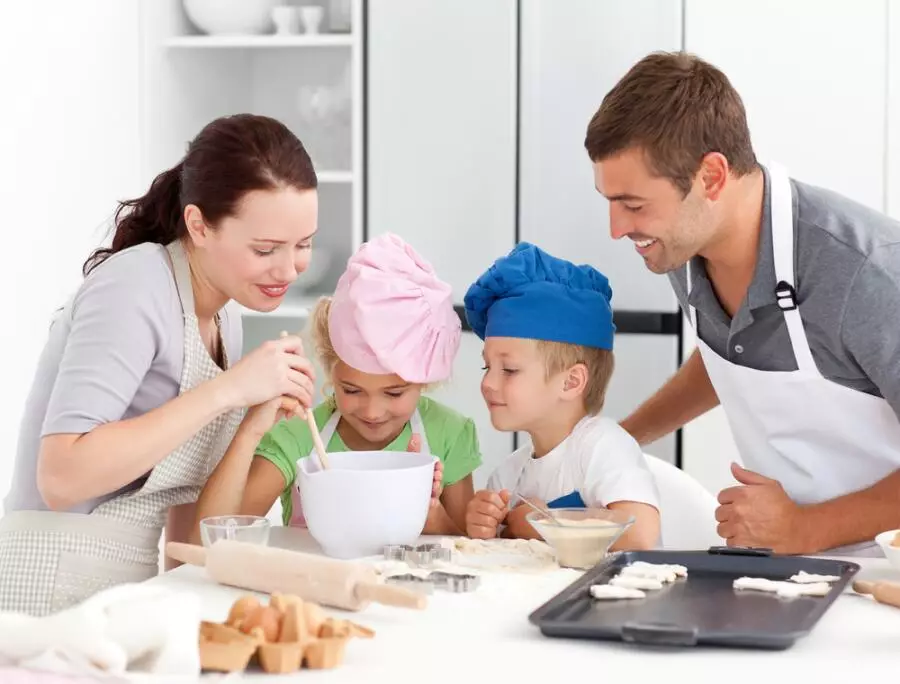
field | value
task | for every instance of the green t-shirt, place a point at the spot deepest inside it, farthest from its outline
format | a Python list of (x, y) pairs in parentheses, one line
[(451, 437)]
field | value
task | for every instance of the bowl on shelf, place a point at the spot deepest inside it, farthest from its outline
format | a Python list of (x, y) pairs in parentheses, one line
[(252, 529), (583, 536), (365, 500), (890, 543), (231, 17)]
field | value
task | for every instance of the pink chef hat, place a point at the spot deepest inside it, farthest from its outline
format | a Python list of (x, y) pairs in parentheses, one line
[(391, 314)]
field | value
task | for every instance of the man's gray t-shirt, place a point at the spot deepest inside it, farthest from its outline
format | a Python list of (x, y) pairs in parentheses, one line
[(847, 279), (115, 352)]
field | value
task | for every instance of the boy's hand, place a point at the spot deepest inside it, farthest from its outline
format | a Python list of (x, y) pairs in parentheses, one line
[(485, 512), (517, 526)]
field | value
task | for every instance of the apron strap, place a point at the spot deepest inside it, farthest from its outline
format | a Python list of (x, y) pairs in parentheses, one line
[(689, 281), (418, 426), (182, 271), (783, 255)]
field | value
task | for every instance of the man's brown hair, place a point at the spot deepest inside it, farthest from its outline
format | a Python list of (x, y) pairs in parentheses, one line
[(560, 356), (677, 108)]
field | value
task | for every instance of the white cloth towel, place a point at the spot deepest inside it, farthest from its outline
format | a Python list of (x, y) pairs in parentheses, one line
[(127, 630)]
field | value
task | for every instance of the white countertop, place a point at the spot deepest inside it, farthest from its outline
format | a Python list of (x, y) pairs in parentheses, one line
[(486, 635)]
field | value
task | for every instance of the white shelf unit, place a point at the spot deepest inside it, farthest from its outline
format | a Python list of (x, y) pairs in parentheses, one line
[(265, 41), (312, 83)]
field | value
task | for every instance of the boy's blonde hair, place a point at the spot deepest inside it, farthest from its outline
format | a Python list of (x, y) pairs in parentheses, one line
[(560, 356)]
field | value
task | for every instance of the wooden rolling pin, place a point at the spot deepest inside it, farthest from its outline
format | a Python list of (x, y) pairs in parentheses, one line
[(266, 569), (883, 592)]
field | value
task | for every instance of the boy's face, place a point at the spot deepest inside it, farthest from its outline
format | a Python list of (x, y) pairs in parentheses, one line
[(515, 385)]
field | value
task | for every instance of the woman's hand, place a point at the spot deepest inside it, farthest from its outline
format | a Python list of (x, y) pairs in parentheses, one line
[(277, 368)]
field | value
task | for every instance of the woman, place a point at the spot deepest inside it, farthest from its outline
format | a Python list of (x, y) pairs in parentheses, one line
[(140, 389)]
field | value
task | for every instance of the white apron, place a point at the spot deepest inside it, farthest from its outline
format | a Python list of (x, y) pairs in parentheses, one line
[(50, 561), (819, 439), (297, 519)]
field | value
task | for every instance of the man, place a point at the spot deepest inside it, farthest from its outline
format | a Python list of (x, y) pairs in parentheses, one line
[(794, 293)]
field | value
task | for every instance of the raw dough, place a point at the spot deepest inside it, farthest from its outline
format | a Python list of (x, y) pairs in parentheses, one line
[(679, 570), (663, 573), (784, 589), (610, 591), (632, 582), (804, 577), (521, 555)]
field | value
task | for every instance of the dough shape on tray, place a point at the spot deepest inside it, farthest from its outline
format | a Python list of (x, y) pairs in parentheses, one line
[(607, 592)]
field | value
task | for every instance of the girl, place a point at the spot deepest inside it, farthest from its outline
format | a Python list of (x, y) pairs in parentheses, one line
[(388, 332), (141, 385)]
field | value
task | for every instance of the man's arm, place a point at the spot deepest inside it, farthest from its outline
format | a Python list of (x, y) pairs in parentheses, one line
[(853, 518), (687, 395), (870, 337)]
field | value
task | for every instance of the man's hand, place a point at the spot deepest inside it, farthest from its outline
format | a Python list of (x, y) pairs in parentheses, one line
[(759, 513)]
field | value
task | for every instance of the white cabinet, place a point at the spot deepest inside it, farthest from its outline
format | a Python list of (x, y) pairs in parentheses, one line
[(441, 155), (892, 179), (441, 112), (573, 52), (812, 77)]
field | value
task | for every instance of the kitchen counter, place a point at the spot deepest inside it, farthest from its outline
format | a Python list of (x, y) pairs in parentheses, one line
[(486, 635)]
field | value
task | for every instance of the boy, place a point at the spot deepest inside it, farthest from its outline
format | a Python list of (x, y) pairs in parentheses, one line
[(548, 330)]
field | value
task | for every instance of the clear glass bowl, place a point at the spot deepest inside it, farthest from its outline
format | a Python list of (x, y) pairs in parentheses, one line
[(583, 536), (253, 529)]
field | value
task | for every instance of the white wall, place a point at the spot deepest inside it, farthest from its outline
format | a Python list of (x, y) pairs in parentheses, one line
[(69, 141), (813, 77)]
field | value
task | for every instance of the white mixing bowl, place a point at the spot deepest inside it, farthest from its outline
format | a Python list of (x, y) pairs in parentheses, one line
[(231, 17), (365, 500)]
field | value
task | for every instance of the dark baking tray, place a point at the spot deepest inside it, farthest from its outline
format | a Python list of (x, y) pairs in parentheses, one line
[(702, 609)]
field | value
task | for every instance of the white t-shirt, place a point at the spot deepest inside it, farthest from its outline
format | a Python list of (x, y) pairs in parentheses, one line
[(598, 460)]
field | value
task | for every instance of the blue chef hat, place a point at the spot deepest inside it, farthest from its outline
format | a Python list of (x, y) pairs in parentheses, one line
[(534, 295)]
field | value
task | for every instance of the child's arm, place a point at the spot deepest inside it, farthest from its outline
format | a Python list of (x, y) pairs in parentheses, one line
[(618, 477), (644, 533), (242, 483), (455, 500), (517, 527)]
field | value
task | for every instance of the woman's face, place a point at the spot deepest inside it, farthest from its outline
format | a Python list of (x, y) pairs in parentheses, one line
[(253, 256)]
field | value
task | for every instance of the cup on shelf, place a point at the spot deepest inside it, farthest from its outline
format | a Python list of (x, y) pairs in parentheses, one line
[(312, 16), (286, 20)]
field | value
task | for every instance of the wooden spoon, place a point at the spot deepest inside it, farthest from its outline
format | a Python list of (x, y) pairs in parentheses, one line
[(314, 431)]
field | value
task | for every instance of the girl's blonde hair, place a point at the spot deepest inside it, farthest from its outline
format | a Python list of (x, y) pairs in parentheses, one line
[(325, 353)]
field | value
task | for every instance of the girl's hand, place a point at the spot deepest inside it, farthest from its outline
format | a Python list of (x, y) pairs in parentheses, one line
[(437, 487), (263, 417), (275, 369)]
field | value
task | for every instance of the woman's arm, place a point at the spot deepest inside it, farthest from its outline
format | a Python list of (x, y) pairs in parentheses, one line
[(243, 483), (125, 318)]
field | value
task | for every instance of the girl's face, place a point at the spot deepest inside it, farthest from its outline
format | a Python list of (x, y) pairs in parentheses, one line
[(377, 407), (254, 256)]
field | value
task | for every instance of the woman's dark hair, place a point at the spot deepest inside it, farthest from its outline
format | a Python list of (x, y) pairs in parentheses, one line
[(230, 157)]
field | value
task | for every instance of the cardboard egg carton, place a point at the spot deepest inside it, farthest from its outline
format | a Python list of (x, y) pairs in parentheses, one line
[(280, 637)]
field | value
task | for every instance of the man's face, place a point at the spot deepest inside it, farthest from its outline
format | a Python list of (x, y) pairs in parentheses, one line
[(667, 228)]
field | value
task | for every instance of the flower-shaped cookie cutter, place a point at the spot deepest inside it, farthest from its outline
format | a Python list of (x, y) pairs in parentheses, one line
[(447, 581), (420, 555)]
